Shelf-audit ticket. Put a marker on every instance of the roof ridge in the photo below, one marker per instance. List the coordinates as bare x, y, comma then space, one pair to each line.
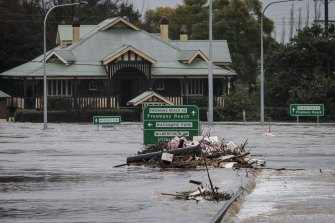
155, 37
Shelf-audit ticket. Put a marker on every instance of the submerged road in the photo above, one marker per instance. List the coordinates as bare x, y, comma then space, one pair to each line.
294, 196
66, 174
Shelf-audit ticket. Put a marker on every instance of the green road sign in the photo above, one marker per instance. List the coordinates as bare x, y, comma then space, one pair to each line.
106, 120
307, 110
162, 123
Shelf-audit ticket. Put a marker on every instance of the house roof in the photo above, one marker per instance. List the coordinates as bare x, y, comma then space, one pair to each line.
64, 32
118, 22
65, 56
149, 97
124, 49
111, 38
188, 56
220, 48
197, 69
4, 95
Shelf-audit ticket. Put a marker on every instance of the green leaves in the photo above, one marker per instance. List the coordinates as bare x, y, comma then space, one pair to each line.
301, 71
237, 21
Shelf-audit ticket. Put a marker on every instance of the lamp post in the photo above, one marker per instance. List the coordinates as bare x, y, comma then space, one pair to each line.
210, 68
262, 56
45, 104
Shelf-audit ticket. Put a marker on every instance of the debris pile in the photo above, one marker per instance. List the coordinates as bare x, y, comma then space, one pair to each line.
183, 153
202, 194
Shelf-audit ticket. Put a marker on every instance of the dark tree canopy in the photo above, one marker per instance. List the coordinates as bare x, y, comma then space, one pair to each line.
302, 71
21, 24
237, 21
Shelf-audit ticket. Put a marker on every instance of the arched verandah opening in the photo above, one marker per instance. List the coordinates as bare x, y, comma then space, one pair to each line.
127, 83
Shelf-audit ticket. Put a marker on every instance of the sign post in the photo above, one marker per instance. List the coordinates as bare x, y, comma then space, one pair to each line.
307, 110
162, 123
106, 121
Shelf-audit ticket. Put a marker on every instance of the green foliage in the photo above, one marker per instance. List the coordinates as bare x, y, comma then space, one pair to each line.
59, 103
21, 33
21, 25
242, 99
193, 14
302, 71
311, 89
277, 114
236, 21
153, 17
198, 101
26, 115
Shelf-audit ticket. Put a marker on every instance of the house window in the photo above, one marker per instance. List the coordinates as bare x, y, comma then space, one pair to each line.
159, 85
194, 87
59, 88
92, 86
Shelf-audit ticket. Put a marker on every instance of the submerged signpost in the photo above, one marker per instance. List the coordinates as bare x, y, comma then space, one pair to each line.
162, 123
106, 121
307, 110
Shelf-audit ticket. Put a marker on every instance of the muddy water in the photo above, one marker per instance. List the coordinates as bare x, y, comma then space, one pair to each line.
294, 196
66, 174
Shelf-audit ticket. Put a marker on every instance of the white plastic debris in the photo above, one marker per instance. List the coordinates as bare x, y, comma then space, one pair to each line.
214, 139
231, 146
256, 163
196, 193
197, 138
167, 157
227, 165
222, 158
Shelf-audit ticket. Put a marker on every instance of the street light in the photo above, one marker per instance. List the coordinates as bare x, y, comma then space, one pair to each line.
210, 69
45, 104
262, 57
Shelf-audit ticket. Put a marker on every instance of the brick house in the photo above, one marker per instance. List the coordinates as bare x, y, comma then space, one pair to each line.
108, 64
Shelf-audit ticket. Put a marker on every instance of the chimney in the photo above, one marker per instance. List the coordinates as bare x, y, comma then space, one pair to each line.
183, 33
75, 30
164, 29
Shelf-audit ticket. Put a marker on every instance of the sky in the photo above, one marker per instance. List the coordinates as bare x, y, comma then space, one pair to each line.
275, 12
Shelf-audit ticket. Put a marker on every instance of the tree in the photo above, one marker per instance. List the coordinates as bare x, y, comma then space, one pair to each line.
21, 24
153, 17
302, 71
237, 21
193, 14
243, 99
20, 28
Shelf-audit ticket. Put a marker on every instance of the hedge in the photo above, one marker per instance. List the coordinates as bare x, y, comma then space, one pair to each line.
127, 115
134, 115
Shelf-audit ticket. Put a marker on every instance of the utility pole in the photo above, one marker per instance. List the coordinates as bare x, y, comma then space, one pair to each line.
326, 15
326, 3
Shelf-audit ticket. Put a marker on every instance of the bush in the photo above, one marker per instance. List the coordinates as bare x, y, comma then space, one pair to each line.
28, 115
277, 114
25, 115
198, 101
59, 103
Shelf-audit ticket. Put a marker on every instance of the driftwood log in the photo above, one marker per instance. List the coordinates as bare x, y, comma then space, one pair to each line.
148, 156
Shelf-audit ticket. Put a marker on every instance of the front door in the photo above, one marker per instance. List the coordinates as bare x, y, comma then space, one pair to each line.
128, 91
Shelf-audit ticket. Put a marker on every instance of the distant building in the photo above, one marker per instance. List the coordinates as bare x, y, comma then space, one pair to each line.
3, 105
109, 64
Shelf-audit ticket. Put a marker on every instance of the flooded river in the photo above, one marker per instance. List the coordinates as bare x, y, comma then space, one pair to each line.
66, 173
